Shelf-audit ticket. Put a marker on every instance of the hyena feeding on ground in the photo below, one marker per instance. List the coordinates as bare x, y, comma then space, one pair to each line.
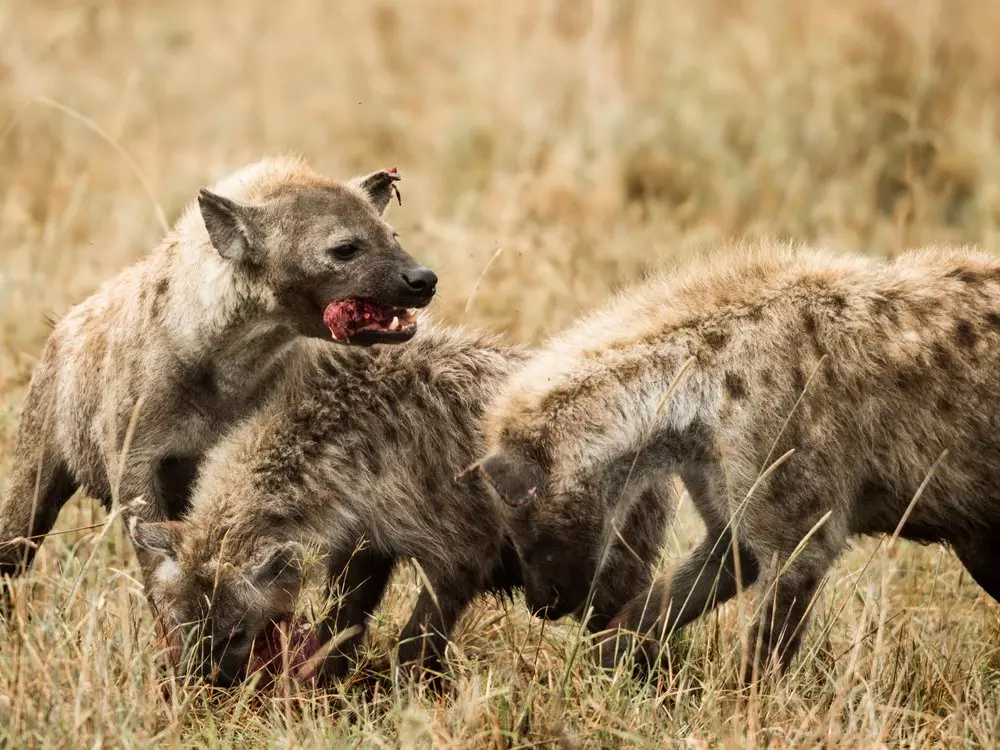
814, 396
355, 457
135, 383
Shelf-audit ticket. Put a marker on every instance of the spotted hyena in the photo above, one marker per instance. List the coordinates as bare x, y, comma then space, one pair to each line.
359, 468
136, 382
813, 394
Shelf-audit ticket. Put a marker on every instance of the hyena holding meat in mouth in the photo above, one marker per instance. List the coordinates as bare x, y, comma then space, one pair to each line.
169, 354
814, 394
354, 457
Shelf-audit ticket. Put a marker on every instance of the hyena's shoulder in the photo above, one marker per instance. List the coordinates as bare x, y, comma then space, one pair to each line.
116, 317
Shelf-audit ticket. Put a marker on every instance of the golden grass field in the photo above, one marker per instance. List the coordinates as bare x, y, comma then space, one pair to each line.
587, 141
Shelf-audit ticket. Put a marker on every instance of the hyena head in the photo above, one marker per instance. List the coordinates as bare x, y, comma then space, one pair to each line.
556, 523
331, 263
215, 607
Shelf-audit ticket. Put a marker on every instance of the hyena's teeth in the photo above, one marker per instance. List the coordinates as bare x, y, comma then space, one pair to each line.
335, 336
394, 325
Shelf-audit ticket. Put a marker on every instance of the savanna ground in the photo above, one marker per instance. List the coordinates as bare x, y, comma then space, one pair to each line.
585, 141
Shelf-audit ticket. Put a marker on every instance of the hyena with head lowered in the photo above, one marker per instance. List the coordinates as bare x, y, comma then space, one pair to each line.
813, 396
137, 381
361, 469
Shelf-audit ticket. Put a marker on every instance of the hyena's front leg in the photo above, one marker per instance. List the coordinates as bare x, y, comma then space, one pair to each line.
981, 557
777, 631
704, 579
173, 482
792, 567
134, 488
357, 582
136, 492
40, 484
635, 548
424, 638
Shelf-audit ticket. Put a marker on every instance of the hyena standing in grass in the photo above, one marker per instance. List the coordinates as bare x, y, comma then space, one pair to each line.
876, 376
163, 358
355, 457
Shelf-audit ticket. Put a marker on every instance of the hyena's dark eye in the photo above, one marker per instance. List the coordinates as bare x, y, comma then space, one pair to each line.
346, 251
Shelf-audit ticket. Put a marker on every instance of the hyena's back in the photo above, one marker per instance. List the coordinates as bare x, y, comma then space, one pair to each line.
877, 369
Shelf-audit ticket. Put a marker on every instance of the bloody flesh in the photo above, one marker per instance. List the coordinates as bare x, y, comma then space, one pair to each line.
348, 317
268, 659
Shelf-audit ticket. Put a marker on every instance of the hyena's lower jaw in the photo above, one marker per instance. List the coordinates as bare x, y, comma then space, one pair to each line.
363, 322
369, 338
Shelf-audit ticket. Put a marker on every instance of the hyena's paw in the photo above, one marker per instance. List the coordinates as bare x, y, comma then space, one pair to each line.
767, 655
429, 671
643, 655
336, 667
379, 676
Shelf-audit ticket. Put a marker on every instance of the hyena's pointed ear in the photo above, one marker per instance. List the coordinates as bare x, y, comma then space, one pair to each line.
233, 227
516, 480
160, 538
379, 186
278, 564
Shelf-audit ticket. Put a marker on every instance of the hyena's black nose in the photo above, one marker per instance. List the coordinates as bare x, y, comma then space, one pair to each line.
420, 280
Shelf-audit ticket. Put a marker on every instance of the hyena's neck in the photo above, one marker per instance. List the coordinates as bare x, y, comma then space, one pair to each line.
221, 321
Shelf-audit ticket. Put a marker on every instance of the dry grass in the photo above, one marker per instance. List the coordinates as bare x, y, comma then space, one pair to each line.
590, 140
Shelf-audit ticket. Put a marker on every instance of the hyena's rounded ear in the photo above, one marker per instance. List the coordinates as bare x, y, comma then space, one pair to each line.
233, 227
515, 479
160, 538
279, 563
379, 186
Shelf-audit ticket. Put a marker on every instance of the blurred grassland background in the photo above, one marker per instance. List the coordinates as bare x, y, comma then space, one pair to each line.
589, 141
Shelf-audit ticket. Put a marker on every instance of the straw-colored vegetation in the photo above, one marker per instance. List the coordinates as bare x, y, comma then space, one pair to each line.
587, 141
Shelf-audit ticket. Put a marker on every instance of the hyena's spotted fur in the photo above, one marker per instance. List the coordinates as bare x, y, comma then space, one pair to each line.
164, 357
894, 362
360, 466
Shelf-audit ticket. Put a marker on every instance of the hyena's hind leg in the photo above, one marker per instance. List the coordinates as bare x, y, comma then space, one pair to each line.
39, 486
635, 550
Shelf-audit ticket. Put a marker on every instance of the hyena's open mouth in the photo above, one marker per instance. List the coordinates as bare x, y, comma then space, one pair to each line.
359, 321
